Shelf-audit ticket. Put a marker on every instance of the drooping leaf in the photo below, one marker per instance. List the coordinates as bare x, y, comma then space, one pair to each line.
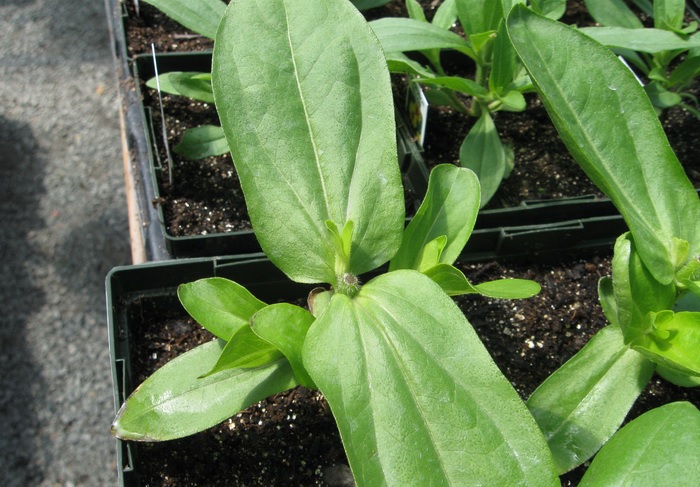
609, 126
219, 305
613, 13
307, 110
447, 416
581, 405
200, 16
661, 447
483, 152
201, 142
400, 63
449, 209
174, 402
641, 40
285, 326
404, 35
455, 283
191, 84
245, 350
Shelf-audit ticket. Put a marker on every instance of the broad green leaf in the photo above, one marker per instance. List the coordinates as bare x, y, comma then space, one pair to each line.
200, 16
661, 447
245, 350
553, 9
668, 14
191, 84
611, 129
201, 142
504, 64
174, 402
635, 289
613, 13
429, 255
447, 416
219, 305
463, 85
641, 40
404, 35
674, 341
477, 16
449, 209
483, 152
581, 405
285, 326
451, 280
513, 101
400, 63
308, 113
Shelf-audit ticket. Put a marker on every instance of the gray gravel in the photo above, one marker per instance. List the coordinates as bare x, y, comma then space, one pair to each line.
62, 227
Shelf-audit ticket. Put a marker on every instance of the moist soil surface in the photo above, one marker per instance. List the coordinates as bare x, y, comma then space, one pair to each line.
291, 438
204, 197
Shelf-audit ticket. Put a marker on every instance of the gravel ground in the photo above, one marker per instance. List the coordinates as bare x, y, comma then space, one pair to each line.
63, 227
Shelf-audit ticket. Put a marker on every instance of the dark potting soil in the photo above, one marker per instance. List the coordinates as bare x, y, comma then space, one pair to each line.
291, 438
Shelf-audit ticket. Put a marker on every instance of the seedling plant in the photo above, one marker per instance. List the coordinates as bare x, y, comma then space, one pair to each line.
652, 300
498, 82
307, 111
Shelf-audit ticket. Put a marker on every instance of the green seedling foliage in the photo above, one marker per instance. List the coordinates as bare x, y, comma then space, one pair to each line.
581, 405
661, 447
200, 16
606, 121
192, 84
177, 400
450, 406
306, 108
347, 166
203, 141
220, 305
613, 13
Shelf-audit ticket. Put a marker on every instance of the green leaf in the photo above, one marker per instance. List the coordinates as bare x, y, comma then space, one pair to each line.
668, 14
404, 35
678, 378
661, 447
613, 13
219, 305
449, 209
308, 113
553, 9
201, 142
200, 16
285, 326
415, 11
477, 16
641, 40
505, 62
609, 126
191, 84
606, 296
400, 63
685, 72
245, 350
509, 288
635, 289
661, 97
674, 341
581, 405
463, 85
483, 152
429, 255
174, 402
446, 14
447, 416
513, 101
